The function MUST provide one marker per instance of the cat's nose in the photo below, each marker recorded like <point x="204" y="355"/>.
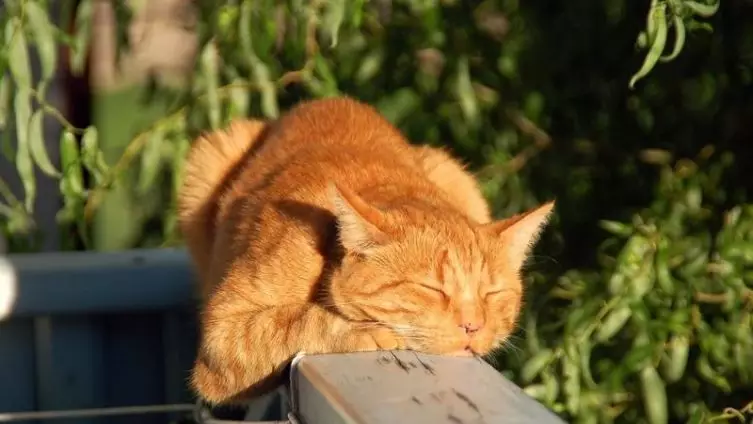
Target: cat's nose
<point x="470" y="327"/>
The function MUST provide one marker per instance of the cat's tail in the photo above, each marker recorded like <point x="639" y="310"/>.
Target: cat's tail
<point x="208" y="169"/>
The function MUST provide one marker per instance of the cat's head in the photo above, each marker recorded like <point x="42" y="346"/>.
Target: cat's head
<point x="447" y="286"/>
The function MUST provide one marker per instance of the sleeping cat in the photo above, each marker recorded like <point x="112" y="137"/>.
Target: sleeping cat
<point x="326" y="231"/>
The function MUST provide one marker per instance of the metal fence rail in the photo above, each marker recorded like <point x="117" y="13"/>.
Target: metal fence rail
<point x="407" y="387"/>
<point x="103" y="338"/>
<point x="86" y="282"/>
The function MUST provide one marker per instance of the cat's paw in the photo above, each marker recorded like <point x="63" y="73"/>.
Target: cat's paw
<point x="386" y="339"/>
<point x="379" y="338"/>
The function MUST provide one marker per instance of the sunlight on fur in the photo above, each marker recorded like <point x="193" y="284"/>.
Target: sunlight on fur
<point x="326" y="231"/>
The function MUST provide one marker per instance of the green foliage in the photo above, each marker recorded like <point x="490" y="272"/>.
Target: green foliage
<point x="666" y="322"/>
<point x="23" y="107"/>
<point x="662" y="16"/>
<point x="644" y="312"/>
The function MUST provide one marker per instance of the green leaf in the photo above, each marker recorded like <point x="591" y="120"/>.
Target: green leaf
<point x="72" y="183"/>
<point x="701" y="9"/>
<point x="90" y="154"/>
<point x="37" y="145"/>
<point x="679" y="26"/>
<point x="581" y="317"/>
<point x="697" y="417"/>
<point x="82" y="36"/>
<point x="74" y="195"/>
<point x="333" y="19"/>
<point x="743" y="353"/>
<point x="651" y="27"/>
<point x="661" y="265"/>
<point x="464" y="92"/>
<point x="239" y="97"/>
<point x="710" y="375"/>
<point x="7" y="145"/>
<point x="571" y="385"/>
<point x="90" y="145"/>
<point x="616" y="228"/>
<point x="674" y="364"/>
<point x="182" y="146"/>
<point x="654" y="396"/>
<point x="209" y="59"/>
<point x="269" y="105"/>
<point x="370" y="66"/>
<point x="585" y="363"/>
<point x="613" y="323"/>
<point x="329" y="83"/>
<point x="44" y="35"/>
<point x="226" y="16"/>
<point x="150" y="162"/>
<point x="19" y="221"/>
<point x="259" y="70"/>
<point x="18" y="53"/>
<point x="643" y="281"/>
<point x="700" y="26"/>
<point x="638" y="356"/>
<point x="534" y="106"/>
<point x="533" y="366"/>
<point x="245" y="29"/>
<point x="399" y="105"/>
<point x="5" y="95"/>
<point x="22" y="106"/>
<point x="356" y="12"/>
<point x="552" y="386"/>
<point x="536" y="391"/>
<point x="657" y="47"/>
<point x="633" y="254"/>
<point x="719" y="351"/>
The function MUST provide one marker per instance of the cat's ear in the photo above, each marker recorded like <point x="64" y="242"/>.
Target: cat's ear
<point x="360" y="225"/>
<point x="519" y="233"/>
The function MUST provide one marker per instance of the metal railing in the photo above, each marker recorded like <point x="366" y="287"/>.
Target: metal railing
<point x="371" y="388"/>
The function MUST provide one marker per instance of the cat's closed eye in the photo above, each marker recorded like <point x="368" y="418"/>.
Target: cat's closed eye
<point x="497" y="291"/>
<point x="432" y="286"/>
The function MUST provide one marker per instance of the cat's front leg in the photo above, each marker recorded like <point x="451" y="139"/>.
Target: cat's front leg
<point x="375" y="338"/>
<point x="243" y="347"/>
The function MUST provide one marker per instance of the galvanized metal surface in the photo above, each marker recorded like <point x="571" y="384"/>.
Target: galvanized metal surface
<point x="406" y="387"/>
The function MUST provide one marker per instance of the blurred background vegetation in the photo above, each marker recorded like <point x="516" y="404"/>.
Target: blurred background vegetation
<point x="637" y="118"/>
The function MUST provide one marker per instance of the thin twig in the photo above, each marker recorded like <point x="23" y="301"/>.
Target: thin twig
<point x="717" y="298"/>
<point x="52" y="111"/>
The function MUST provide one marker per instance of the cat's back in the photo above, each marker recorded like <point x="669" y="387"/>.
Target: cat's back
<point x="278" y="209"/>
<point x="337" y="126"/>
<point x="320" y="141"/>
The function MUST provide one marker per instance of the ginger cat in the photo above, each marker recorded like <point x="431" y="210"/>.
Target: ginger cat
<point x="326" y="231"/>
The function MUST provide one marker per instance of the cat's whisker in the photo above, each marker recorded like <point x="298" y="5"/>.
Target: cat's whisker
<point x="513" y="339"/>
<point x="492" y="358"/>
<point x="538" y="259"/>
<point x="506" y="346"/>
